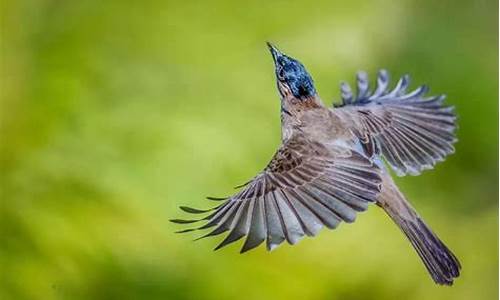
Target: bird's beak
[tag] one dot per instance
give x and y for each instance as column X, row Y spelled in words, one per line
column 274, row 51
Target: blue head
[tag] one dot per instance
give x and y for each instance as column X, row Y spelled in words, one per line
column 291, row 75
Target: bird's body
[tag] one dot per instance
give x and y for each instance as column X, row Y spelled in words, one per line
column 330, row 165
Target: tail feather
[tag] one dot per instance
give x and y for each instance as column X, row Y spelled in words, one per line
column 441, row 263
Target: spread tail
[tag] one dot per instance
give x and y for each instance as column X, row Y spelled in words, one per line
column 440, row 262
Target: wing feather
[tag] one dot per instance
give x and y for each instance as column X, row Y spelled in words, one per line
column 276, row 233
column 411, row 131
column 257, row 232
column 305, row 186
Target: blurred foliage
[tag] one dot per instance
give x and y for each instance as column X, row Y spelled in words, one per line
column 113, row 113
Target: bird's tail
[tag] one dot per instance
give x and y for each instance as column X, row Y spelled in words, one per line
column 440, row 262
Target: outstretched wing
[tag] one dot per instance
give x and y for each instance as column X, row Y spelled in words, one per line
column 303, row 188
column 412, row 131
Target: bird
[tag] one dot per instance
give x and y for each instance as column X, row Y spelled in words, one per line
column 334, row 162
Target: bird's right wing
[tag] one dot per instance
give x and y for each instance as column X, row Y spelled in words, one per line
column 305, row 187
column 412, row 131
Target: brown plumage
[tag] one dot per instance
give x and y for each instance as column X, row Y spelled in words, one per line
column 329, row 165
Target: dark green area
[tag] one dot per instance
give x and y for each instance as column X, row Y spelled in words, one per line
column 114, row 113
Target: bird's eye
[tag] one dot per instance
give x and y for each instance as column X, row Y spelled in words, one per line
column 281, row 74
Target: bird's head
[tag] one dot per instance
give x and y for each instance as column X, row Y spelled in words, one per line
column 292, row 77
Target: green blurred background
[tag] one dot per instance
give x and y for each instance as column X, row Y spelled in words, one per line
column 114, row 113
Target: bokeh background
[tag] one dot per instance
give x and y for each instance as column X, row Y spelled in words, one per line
column 114, row 113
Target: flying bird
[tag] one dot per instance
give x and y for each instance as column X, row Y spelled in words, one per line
column 334, row 162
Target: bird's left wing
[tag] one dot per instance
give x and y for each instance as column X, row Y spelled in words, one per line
column 305, row 187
